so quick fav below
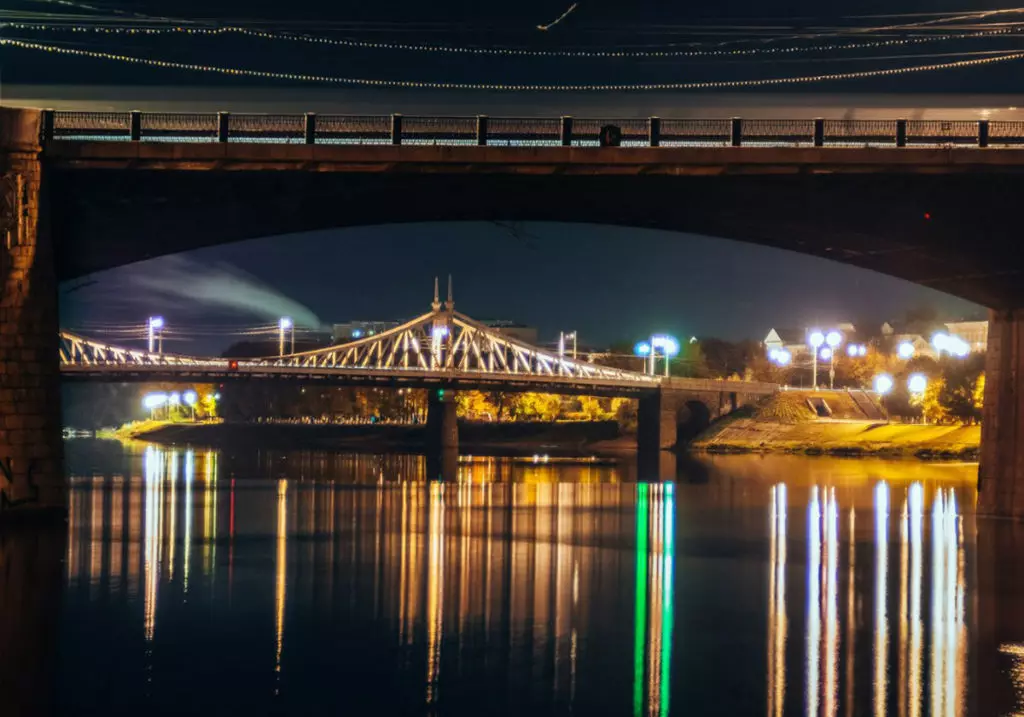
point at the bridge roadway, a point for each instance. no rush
(930, 201)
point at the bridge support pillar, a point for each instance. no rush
(656, 430)
(31, 474)
(442, 425)
(1001, 473)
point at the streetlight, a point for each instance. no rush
(156, 331)
(833, 339)
(191, 397)
(669, 347)
(953, 345)
(284, 325)
(905, 350)
(917, 383)
(780, 357)
(153, 401)
(855, 350)
(815, 339)
(643, 349)
(561, 344)
(883, 383)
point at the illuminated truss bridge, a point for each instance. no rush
(439, 348)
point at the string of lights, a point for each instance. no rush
(501, 87)
(196, 28)
(498, 51)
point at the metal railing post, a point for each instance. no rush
(983, 133)
(819, 132)
(309, 128)
(47, 125)
(566, 131)
(736, 132)
(396, 129)
(135, 127)
(654, 131)
(481, 130)
(223, 120)
(901, 133)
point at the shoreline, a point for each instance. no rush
(513, 439)
(735, 436)
(843, 439)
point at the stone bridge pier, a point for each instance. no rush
(31, 474)
(674, 415)
(1001, 474)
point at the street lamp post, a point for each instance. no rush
(815, 339)
(669, 347)
(643, 350)
(156, 333)
(833, 339)
(285, 324)
(191, 397)
(562, 336)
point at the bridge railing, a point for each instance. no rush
(481, 130)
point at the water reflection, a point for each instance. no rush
(511, 588)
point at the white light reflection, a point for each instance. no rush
(831, 604)
(777, 620)
(153, 469)
(881, 656)
(189, 476)
(435, 589)
(281, 571)
(915, 502)
(813, 598)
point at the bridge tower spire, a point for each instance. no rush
(450, 304)
(437, 297)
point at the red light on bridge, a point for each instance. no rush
(232, 365)
(927, 215)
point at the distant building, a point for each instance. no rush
(352, 330)
(792, 340)
(975, 333)
(920, 345)
(918, 336)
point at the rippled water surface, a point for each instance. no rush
(303, 583)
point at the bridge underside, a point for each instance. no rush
(955, 232)
(939, 218)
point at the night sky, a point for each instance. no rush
(608, 283)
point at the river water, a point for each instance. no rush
(198, 582)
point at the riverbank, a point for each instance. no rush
(842, 438)
(562, 438)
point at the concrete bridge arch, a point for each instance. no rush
(944, 218)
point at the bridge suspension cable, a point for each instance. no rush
(1002, 31)
(144, 25)
(1006, 56)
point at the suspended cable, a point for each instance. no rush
(365, 82)
(558, 19)
(613, 54)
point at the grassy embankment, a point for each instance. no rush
(784, 423)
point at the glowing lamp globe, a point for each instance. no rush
(883, 383)
(917, 383)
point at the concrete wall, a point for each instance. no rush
(30, 438)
